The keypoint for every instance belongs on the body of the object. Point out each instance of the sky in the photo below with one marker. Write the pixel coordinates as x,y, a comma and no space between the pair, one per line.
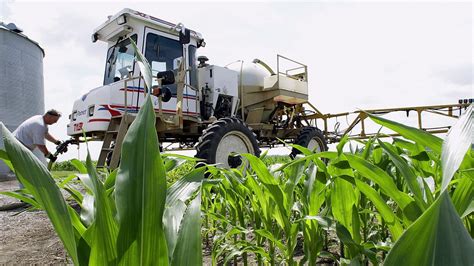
360,55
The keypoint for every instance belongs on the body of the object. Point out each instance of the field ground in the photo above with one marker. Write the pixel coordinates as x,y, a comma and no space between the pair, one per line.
27,237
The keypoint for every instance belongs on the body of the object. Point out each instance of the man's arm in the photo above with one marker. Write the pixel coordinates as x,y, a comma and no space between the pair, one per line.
51,139
43,149
46,153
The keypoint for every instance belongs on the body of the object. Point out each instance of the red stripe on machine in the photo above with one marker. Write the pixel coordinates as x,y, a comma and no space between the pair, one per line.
99,120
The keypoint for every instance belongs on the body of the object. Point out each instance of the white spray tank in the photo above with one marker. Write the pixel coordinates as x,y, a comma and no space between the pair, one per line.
261,89
251,78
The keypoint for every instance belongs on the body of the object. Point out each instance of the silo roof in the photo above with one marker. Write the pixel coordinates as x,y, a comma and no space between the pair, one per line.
3,27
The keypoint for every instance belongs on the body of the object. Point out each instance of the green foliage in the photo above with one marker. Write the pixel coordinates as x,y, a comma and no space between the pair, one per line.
405,202
63,166
141,201
438,237
122,213
439,232
370,200
32,173
180,168
71,165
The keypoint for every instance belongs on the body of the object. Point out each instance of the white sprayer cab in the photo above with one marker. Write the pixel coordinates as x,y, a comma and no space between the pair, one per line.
159,42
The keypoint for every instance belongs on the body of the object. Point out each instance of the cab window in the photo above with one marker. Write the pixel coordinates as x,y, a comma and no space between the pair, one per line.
163,54
120,59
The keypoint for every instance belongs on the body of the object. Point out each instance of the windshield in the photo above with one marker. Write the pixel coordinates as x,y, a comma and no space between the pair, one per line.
163,54
120,58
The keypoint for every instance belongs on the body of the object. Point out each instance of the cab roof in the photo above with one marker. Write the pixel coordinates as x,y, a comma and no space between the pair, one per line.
109,30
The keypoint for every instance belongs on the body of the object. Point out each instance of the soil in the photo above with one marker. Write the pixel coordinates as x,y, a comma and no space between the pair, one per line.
27,237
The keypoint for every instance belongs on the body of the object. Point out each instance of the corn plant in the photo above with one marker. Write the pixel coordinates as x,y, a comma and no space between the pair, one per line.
377,203
128,216
404,202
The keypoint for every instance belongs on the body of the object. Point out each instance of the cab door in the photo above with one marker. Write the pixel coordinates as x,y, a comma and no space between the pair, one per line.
119,65
164,52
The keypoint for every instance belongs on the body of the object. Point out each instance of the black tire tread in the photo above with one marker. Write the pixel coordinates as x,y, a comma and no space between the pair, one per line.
304,137
207,145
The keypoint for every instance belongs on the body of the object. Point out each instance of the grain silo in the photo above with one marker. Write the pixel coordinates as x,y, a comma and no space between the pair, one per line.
21,80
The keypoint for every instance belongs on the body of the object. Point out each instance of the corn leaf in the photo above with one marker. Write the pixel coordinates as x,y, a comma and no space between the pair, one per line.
87,210
407,173
387,214
172,219
104,233
143,65
294,174
341,144
367,148
179,193
185,187
312,199
6,159
110,180
456,144
313,190
188,250
342,201
260,202
66,180
140,194
36,178
79,166
273,187
75,194
414,134
381,178
21,197
463,196
438,237
76,221
268,235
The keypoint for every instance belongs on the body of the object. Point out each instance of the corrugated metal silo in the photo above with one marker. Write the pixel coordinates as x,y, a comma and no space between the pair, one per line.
21,80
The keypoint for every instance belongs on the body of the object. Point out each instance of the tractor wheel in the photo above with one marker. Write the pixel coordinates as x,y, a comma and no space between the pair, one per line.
223,139
311,138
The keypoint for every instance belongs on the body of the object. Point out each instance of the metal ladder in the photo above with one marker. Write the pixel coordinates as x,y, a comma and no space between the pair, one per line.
116,132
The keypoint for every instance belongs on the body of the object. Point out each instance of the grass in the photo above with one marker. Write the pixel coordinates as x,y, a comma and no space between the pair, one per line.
62,174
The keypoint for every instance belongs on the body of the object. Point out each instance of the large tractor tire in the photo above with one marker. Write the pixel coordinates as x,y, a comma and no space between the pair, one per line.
311,138
225,138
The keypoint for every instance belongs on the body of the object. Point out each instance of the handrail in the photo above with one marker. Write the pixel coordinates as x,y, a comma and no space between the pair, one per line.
125,89
287,70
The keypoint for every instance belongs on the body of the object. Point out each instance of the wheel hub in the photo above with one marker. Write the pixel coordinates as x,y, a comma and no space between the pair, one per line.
314,146
232,144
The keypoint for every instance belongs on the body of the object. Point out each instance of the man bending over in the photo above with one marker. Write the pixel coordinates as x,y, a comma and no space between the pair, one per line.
33,131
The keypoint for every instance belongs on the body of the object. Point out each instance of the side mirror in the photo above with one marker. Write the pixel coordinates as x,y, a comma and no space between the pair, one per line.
185,38
167,77
164,92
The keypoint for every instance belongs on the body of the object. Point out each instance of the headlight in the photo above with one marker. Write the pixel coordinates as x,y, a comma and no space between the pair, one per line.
121,20
91,110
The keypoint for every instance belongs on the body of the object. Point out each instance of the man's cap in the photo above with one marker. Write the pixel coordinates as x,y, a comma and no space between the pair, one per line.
53,112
